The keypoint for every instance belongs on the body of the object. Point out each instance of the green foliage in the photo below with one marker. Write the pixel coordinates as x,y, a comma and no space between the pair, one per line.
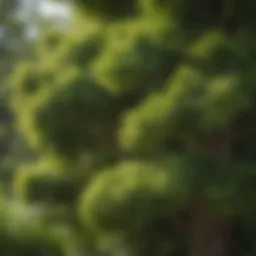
45,182
28,246
71,101
136,188
134,108
201,97
143,189
194,14
136,58
13,44
198,14
50,189
71,107
23,232
108,8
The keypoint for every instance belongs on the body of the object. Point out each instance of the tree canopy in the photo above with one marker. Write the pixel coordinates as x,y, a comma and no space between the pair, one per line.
146,114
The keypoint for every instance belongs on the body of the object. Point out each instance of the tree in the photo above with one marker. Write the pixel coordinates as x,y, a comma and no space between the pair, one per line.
151,109
23,230
13,46
16,44
19,238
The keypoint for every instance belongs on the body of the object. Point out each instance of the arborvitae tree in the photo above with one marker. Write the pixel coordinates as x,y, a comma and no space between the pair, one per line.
146,104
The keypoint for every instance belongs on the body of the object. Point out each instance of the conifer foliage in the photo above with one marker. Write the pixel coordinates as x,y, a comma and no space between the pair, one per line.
145,105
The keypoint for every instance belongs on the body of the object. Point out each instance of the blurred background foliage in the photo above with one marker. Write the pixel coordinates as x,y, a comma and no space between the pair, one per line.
127,127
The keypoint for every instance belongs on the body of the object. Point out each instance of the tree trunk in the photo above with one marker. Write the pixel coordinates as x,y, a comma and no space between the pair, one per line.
209,235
